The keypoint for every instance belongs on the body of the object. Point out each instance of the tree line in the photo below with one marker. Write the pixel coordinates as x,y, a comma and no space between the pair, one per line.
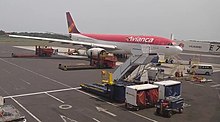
45,35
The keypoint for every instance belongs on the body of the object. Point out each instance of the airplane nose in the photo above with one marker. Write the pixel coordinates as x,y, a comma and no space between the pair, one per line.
179,49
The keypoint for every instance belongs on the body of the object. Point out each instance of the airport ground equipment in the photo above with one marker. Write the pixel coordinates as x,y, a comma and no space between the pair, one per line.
169,98
141,96
113,84
135,65
198,79
8,113
102,61
108,88
161,58
155,74
39,52
194,60
177,69
76,67
202,69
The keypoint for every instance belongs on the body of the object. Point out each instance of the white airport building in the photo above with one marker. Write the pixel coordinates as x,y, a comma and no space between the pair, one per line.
200,46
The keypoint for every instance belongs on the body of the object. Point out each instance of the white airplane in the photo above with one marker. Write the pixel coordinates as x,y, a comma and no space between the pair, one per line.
118,44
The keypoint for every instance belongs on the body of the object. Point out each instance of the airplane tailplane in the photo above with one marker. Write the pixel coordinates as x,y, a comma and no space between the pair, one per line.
71,25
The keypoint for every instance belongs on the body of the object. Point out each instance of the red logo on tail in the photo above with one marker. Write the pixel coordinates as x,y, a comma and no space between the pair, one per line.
71,25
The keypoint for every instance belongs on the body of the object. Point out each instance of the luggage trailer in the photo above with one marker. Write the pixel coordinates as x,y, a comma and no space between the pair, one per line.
141,96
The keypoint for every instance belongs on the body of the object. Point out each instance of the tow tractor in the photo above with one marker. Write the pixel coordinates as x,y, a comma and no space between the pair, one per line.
102,60
39,52
170,99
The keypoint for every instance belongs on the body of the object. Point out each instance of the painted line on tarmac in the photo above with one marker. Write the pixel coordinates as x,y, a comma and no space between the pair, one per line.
25,109
216,71
73,56
213,82
96,97
55,81
96,120
65,119
6,71
25,82
199,85
111,104
216,85
143,116
105,111
89,95
54,97
60,90
65,106
203,55
219,95
190,82
116,105
37,93
4,90
185,105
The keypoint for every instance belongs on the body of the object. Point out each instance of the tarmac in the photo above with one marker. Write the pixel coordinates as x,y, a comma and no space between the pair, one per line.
44,93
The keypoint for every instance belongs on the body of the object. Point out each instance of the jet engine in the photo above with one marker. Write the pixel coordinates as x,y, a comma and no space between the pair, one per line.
94,52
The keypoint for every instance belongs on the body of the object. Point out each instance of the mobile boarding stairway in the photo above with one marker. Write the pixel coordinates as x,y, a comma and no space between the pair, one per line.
114,85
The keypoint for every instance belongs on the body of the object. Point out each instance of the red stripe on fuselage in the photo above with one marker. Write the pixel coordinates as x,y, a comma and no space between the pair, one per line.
131,39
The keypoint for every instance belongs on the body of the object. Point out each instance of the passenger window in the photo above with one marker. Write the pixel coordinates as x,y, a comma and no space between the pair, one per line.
209,67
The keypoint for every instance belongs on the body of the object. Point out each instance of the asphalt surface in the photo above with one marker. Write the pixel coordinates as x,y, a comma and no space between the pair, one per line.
202,57
42,92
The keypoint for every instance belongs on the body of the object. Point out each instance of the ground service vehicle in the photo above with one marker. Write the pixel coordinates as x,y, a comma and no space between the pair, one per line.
39,52
169,98
200,69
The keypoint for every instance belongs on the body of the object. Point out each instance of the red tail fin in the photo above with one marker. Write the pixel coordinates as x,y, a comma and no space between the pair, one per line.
71,25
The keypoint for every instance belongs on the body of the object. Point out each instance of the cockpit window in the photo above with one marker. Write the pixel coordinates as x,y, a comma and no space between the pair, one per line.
171,44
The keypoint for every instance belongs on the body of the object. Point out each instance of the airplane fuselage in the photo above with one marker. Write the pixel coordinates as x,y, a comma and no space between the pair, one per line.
125,43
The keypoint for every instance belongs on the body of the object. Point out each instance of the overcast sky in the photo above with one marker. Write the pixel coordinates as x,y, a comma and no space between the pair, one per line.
186,19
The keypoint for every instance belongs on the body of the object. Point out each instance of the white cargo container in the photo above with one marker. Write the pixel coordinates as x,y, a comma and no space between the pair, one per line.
169,88
132,94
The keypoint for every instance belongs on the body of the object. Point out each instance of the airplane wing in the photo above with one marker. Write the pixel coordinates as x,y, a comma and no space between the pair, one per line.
67,41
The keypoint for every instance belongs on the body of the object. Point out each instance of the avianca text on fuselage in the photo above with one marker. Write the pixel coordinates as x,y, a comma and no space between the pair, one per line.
139,39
